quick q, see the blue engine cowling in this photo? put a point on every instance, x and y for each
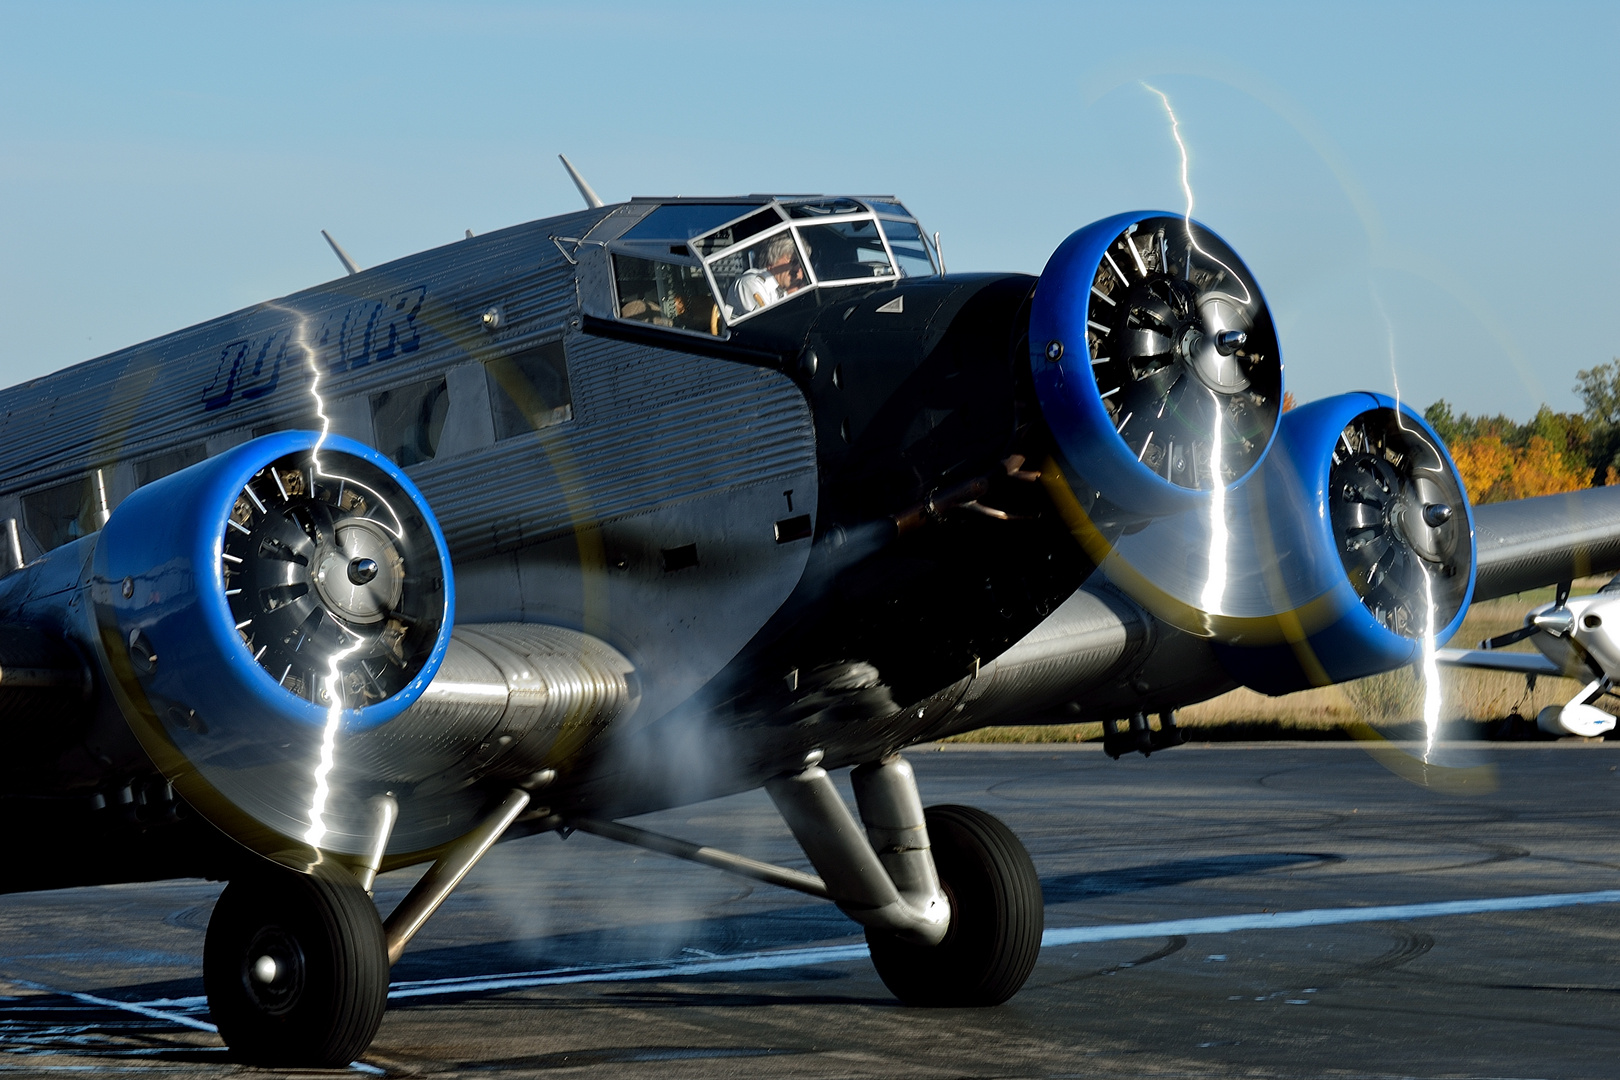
(1155, 362)
(1371, 549)
(250, 615)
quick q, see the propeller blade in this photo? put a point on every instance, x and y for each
(1157, 310)
(1503, 640)
(1146, 342)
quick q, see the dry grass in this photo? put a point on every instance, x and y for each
(1387, 701)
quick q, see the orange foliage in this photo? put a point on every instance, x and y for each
(1492, 471)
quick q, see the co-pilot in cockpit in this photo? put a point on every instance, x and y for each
(705, 267)
(774, 273)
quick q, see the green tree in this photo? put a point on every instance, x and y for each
(1599, 388)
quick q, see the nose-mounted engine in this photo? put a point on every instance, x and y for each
(1156, 363)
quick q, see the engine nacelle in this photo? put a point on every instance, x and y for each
(1369, 551)
(1156, 364)
(250, 615)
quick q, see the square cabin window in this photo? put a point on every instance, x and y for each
(528, 390)
(408, 420)
(62, 513)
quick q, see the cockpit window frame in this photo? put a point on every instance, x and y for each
(790, 223)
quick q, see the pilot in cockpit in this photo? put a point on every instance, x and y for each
(781, 276)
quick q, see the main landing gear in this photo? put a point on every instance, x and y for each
(296, 965)
(949, 898)
(996, 918)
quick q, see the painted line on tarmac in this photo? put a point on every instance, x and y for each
(1287, 920)
(147, 1009)
(1069, 935)
(758, 961)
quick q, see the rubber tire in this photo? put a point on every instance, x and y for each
(997, 916)
(327, 1014)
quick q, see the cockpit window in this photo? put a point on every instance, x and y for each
(909, 247)
(889, 208)
(754, 277)
(846, 251)
(703, 267)
(824, 209)
(738, 231)
(682, 221)
(665, 294)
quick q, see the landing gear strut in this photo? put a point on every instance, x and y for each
(949, 898)
(966, 926)
(296, 968)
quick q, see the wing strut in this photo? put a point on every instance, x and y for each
(591, 199)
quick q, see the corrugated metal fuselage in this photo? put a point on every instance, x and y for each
(775, 528)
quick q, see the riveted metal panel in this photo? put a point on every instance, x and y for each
(651, 427)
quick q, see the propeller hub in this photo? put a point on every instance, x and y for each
(1558, 622)
(348, 574)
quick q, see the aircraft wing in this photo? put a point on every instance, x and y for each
(1531, 543)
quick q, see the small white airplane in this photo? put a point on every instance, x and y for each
(1576, 639)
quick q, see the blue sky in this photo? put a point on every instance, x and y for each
(1432, 183)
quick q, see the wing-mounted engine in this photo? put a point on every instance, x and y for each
(257, 611)
(274, 625)
(1361, 544)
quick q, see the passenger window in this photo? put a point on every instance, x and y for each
(158, 466)
(909, 247)
(665, 294)
(61, 513)
(846, 251)
(759, 275)
(529, 390)
(408, 420)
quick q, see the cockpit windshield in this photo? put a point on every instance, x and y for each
(721, 263)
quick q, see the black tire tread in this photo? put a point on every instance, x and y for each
(342, 1014)
(988, 953)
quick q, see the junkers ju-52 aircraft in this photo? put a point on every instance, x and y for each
(668, 499)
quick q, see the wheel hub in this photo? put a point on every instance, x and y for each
(273, 970)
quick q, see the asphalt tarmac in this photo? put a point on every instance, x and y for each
(1218, 910)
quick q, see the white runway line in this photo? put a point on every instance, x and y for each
(759, 961)
(147, 1009)
(1287, 920)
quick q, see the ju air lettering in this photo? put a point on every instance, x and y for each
(371, 332)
